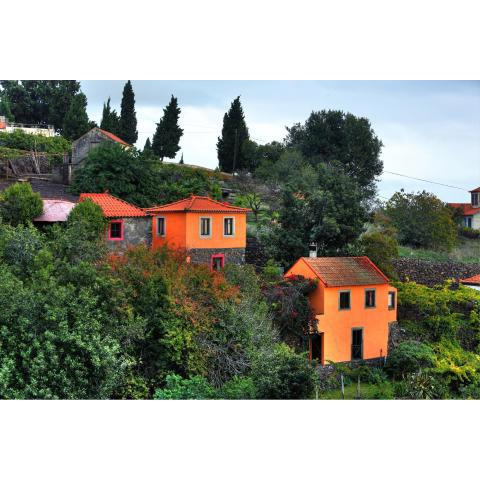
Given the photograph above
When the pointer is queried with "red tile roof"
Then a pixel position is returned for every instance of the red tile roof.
(114, 137)
(113, 206)
(197, 204)
(475, 280)
(346, 271)
(466, 208)
(475, 190)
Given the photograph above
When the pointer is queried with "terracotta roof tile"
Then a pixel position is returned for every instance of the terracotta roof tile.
(475, 280)
(114, 137)
(346, 271)
(475, 190)
(197, 203)
(113, 206)
(466, 208)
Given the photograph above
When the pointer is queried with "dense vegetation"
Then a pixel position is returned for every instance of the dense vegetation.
(78, 323)
(139, 178)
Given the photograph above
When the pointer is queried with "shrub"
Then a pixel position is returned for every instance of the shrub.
(19, 204)
(283, 374)
(421, 386)
(91, 215)
(468, 232)
(178, 388)
(410, 357)
(238, 388)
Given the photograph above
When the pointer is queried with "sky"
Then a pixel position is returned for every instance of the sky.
(430, 129)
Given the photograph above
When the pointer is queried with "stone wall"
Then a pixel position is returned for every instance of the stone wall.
(433, 273)
(136, 230)
(203, 255)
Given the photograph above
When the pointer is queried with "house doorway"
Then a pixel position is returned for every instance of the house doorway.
(357, 343)
(217, 262)
(316, 347)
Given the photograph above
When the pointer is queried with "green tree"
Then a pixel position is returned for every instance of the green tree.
(230, 152)
(167, 136)
(91, 214)
(147, 148)
(333, 136)
(19, 204)
(40, 101)
(5, 108)
(422, 220)
(110, 120)
(76, 122)
(128, 117)
(382, 249)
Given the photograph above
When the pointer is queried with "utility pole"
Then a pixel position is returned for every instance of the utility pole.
(235, 148)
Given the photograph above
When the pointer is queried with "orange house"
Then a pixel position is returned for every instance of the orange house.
(209, 231)
(354, 304)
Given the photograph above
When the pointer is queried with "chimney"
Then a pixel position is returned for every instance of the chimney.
(312, 250)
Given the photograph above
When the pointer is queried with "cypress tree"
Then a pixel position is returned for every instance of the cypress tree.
(234, 133)
(110, 120)
(76, 121)
(148, 146)
(168, 133)
(181, 160)
(128, 117)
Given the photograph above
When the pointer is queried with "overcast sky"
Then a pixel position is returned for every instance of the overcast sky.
(430, 130)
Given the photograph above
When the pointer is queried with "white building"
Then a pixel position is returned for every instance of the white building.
(8, 127)
(470, 211)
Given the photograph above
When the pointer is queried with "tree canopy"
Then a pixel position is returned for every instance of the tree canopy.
(230, 151)
(76, 121)
(127, 127)
(110, 120)
(167, 136)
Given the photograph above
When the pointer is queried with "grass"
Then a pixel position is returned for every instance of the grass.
(466, 251)
(367, 392)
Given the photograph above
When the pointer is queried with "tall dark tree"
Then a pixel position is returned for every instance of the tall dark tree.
(40, 101)
(181, 160)
(167, 136)
(335, 136)
(5, 108)
(148, 146)
(76, 120)
(110, 120)
(128, 117)
(231, 155)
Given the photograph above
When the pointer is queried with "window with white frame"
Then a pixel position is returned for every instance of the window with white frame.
(205, 226)
(475, 199)
(161, 226)
(228, 227)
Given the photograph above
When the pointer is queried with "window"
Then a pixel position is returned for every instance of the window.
(217, 262)
(205, 228)
(369, 298)
(357, 343)
(161, 226)
(115, 230)
(475, 199)
(344, 300)
(468, 221)
(391, 300)
(228, 227)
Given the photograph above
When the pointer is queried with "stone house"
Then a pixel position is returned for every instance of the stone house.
(209, 231)
(128, 224)
(354, 305)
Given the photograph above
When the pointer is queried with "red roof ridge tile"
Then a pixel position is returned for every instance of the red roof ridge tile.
(121, 209)
(188, 204)
(114, 137)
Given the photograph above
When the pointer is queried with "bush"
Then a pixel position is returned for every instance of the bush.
(178, 388)
(19, 204)
(410, 357)
(283, 374)
(238, 388)
(468, 232)
(91, 215)
(421, 386)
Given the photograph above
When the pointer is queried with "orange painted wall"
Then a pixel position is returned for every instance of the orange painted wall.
(175, 229)
(337, 325)
(183, 231)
